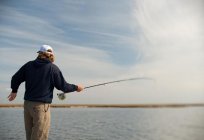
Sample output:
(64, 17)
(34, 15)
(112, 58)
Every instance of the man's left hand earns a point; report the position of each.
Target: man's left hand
(12, 96)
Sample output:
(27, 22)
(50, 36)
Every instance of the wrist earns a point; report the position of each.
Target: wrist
(14, 90)
(76, 87)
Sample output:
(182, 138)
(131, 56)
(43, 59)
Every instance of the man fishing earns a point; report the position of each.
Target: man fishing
(40, 76)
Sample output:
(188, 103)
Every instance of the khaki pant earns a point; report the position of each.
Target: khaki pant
(37, 120)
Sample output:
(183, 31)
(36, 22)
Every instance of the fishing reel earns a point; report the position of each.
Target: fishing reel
(61, 96)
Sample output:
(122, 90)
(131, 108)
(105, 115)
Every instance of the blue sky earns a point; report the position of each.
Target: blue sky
(99, 41)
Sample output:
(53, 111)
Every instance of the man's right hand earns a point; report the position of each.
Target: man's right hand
(80, 88)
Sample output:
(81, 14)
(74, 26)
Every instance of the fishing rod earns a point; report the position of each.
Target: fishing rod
(62, 96)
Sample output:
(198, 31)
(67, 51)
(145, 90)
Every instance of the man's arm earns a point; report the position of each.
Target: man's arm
(61, 84)
(16, 80)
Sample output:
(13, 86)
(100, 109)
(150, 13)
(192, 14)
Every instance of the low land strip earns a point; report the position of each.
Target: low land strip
(112, 105)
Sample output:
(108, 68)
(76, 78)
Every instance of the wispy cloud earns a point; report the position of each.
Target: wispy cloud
(172, 46)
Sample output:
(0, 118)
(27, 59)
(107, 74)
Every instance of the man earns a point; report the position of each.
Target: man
(40, 76)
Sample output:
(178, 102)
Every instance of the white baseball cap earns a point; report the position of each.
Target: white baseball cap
(46, 48)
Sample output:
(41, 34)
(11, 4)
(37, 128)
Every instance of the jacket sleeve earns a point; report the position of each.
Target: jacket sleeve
(17, 79)
(60, 83)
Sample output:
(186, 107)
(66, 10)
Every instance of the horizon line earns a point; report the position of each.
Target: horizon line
(160, 105)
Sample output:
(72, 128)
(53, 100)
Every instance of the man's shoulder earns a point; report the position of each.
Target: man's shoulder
(28, 63)
(55, 67)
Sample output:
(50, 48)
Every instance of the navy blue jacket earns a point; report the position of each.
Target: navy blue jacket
(40, 76)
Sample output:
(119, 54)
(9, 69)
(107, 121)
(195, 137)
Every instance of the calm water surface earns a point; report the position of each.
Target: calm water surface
(112, 124)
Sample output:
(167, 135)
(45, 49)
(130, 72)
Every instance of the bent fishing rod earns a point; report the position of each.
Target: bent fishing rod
(62, 96)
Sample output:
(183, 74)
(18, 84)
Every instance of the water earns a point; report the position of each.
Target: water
(112, 124)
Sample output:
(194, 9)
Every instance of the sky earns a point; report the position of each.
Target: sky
(99, 41)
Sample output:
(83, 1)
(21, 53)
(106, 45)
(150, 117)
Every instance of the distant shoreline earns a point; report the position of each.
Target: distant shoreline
(112, 105)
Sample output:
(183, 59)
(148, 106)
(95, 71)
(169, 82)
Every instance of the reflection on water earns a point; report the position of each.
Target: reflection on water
(112, 124)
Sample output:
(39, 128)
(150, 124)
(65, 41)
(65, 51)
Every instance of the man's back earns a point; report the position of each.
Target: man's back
(38, 81)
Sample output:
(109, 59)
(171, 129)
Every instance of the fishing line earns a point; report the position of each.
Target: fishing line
(62, 96)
